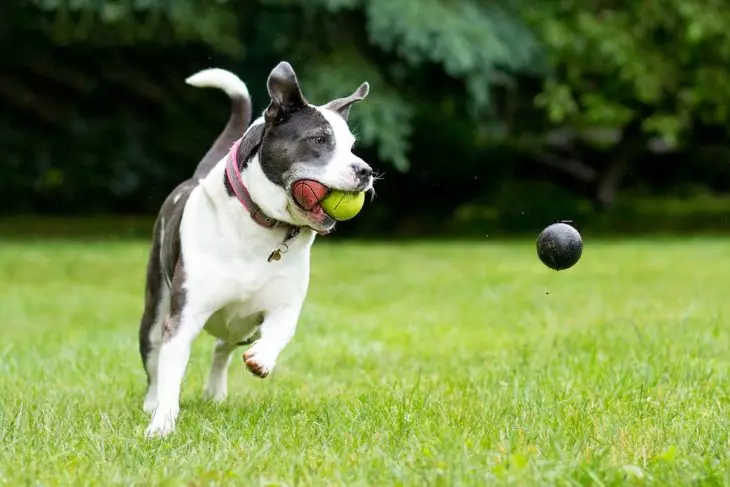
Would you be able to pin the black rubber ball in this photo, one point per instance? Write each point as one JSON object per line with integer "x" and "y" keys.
{"x": 559, "y": 246}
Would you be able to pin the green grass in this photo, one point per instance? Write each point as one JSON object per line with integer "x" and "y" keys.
{"x": 431, "y": 364}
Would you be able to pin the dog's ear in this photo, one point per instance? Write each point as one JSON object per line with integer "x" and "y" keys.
{"x": 286, "y": 96}
{"x": 250, "y": 144}
{"x": 342, "y": 105}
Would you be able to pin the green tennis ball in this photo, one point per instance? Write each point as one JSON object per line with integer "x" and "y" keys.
{"x": 341, "y": 205}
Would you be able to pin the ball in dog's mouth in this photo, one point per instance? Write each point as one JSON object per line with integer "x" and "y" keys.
{"x": 308, "y": 194}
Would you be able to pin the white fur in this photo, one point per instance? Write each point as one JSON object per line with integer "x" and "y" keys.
{"x": 162, "y": 231}
{"x": 229, "y": 284}
{"x": 219, "y": 78}
{"x": 338, "y": 173}
{"x": 216, "y": 387}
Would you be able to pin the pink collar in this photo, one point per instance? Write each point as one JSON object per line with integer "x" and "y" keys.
{"x": 233, "y": 174}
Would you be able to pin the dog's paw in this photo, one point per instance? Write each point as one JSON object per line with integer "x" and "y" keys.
{"x": 258, "y": 361}
{"x": 215, "y": 393}
{"x": 159, "y": 431}
{"x": 150, "y": 401}
{"x": 149, "y": 406}
{"x": 162, "y": 424}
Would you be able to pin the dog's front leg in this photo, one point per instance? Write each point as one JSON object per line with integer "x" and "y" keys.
{"x": 277, "y": 329}
{"x": 179, "y": 331}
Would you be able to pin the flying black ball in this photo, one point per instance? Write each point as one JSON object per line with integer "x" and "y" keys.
{"x": 559, "y": 246}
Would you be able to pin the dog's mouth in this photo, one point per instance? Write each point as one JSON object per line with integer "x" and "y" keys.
{"x": 307, "y": 194}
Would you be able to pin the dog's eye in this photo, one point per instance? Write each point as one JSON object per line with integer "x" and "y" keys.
{"x": 319, "y": 140}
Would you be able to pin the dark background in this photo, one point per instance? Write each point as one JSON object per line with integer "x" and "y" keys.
{"x": 485, "y": 117}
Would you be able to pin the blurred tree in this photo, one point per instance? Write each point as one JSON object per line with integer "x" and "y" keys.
{"x": 100, "y": 74}
{"x": 95, "y": 114}
{"x": 627, "y": 74}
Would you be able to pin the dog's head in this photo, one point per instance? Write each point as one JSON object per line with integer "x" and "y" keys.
{"x": 296, "y": 141}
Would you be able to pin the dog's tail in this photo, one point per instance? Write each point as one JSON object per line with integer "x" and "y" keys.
{"x": 238, "y": 121}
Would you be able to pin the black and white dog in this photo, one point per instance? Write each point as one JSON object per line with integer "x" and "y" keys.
{"x": 231, "y": 248}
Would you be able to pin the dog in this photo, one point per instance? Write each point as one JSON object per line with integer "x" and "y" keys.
{"x": 231, "y": 246}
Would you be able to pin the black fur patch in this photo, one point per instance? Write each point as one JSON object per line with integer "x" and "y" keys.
{"x": 237, "y": 124}
{"x": 164, "y": 258}
{"x": 153, "y": 287}
{"x": 250, "y": 144}
{"x": 172, "y": 213}
{"x": 177, "y": 302}
{"x": 305, "y": 137}
{"x": 342, "y": 105}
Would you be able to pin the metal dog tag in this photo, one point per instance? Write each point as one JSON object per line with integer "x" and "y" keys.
{"x": 283, "y": 247}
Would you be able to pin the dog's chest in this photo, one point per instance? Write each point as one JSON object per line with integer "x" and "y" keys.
{"x": 246, "y": 293}
{"x": 245, "y": 289}
{"x": 234, "y": 323}
{"x": 225, "y": 256}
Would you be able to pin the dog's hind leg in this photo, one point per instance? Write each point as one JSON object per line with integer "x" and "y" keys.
{"x": 216, "y": 387}
{"x": 151, "y": 336}
{"x": 156, "y": 308}
{"x": 181, "y": 326}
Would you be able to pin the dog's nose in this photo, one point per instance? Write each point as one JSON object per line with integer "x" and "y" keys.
{"x": 362, "y": 171}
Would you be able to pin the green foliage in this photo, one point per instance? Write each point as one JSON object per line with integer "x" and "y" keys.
{"x": 470, "y": 41}
{"x": 92, "y": 98}
{"x": 131, "y": 22}
{"x": 466, "y": 40}
{"x": 479, "y": 45}
{"x": 384, "y": 120}
{"x": 662, "y": 62}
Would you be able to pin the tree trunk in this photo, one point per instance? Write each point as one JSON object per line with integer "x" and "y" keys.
{"x": 630, "y": 145}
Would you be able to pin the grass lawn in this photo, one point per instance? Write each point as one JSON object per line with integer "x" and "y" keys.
{"x": 414, "y": 364}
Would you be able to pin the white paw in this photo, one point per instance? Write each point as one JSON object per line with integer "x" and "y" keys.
{"x": 150, "y": 402}
{"x": 162, "y": 424}
{"x": 259, "y": 360}
{"x": 215, "y": 393}
{"x": 149, "y": 405}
